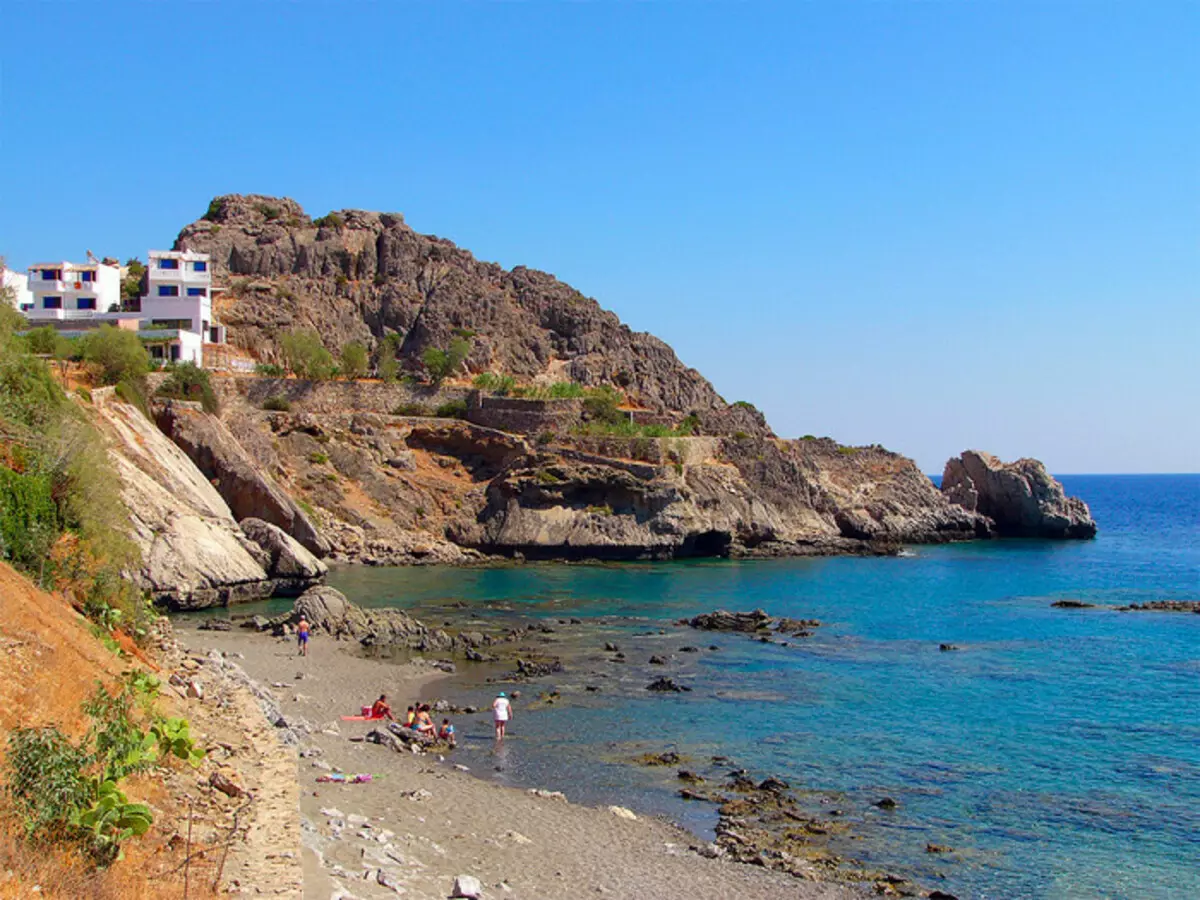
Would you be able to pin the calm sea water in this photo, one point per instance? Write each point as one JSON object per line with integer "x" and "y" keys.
{"x": 1058, "y": 751}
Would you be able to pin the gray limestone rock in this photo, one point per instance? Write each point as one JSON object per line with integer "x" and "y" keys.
{"x": 1021, "y": 497}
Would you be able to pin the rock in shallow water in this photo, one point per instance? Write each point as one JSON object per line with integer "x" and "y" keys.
{"x": 1021, "y": 497}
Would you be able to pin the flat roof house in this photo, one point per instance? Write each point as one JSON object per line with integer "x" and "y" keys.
{"x": 62, "y": 291}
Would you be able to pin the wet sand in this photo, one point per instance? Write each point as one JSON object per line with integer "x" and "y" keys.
{"x": 421, "y": 822}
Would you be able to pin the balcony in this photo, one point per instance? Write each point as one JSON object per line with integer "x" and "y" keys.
{"x": 60, "y": 315}
{"x": 66, "y": 286}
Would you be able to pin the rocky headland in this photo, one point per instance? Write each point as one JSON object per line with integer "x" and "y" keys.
{"x": 248, "y": 501}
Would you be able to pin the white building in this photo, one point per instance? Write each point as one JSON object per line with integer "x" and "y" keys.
{"x": 18, "y": 283}
{"x": 178, "y": 291}
{"x": 62, "y": 291}
{"x": 174, "y": 320}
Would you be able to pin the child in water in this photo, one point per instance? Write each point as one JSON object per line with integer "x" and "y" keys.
{"x": 446, "y": 733}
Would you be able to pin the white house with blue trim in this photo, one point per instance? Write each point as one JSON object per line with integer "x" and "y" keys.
{"x": 63, "y": 291}
{"x": 173, "y": 317}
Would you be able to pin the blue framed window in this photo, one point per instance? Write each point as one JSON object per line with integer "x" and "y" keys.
{"x": 87, "y": 303}
{"x": 87, "y": 276}
{"x": 51, "y": 274}
{"x": 168, "y": 264}
{"x": 51, "y": 302}
{"x": 199, "y": 266}
{"x": 168, "y": 290}
{"x": 197, "y": 292}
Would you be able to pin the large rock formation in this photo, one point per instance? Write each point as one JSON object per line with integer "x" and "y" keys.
{"x": 362, "y": 275}
{"x": 194, "y": 554}
{"x": 246, "y": 488}
{"x": 1022, "y": 498}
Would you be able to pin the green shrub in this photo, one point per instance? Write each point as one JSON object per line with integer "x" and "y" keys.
{"x": 114, "y": 354}
{"x": 602, "y": 404}
{"x": 452, "y": 409}
{"x": 743, "y": 404}
{"x": 545, "y": 476}
{"x": 269, "y": 211}
{"x": 604, "y": 510}
{"x": 441, "y": 364}
{"x": 269, "y": 370}
{"x": 188, "y": 381}
{"x": 500, "y": 385}
{"x": 353, "y": 361}
{"x": 133, "y": 392}
{"x": 411, "y": 409}
{"x": 809, "y": 437}
{"x": 565, "y": 390}
{"x": 318, "y": 458}
{"x": 29, "y": 517}
{"x": 214, "y": 210}
{"x": 305, "y": 355}
{"x": 131, "y": 284}
{"x": 44, "y": 340}
{"x": 847, "y": 451}
{"x": 277, "y": 403}
{"x": 387, "y": 368}
{"x": 43, "y": 782}
{"x": 330, "y": 220}
{"x": 688, "y": 426}
{"x": 740, "y": 436}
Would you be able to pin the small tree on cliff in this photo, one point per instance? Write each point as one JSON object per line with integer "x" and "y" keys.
{"x": 441, "y": 364}
{"x": 305, "y": 355}
{"x": 386, "y": 364}
{"x": 354, "y": 360}
{"x": 115, "y": 354}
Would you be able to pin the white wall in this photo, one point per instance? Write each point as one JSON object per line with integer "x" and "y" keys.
{"x": 19, "y": 282}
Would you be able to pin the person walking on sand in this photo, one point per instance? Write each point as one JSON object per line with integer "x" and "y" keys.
{"x": 501, "y": 713}
{"x": 302, "y": 636}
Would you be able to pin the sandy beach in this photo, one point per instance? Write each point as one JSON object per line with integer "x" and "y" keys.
{"x": 421, "y": 822}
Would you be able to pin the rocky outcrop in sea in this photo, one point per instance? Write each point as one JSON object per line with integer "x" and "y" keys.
{"x": 1021, "y": 498}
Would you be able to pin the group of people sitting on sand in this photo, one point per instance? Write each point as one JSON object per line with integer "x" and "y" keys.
{"x": 418, "y": 718}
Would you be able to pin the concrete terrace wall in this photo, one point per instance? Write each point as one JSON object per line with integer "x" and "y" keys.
{"x": 522, "y": 416}
{"x": 339, "y": 396}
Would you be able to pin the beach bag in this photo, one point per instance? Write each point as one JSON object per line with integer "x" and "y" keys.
{"x": 366, "y": 711}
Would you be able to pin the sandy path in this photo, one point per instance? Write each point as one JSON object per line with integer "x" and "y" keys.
{"x": 426, "y": 822}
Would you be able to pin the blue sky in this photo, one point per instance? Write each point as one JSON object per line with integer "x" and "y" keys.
{"x": 932, "y": 225}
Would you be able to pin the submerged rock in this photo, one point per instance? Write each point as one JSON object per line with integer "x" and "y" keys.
{"x": 666, "y": 685}
{"x": 1021, "y": 497}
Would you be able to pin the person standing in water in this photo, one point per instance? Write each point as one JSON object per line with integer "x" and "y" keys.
{"x": 501, "y": 713}
{"x": 302, "y": 636}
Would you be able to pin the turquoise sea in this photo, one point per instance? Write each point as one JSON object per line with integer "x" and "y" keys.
{"x": 1057, "y": 750}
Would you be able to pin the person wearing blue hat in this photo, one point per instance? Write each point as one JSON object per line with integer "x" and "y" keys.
{"x": 501, "y": 713}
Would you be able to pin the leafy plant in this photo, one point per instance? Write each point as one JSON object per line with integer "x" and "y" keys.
{"x": 269, "y": 370}
{"x": 187, "y": 381}
{"x": 43, "y": 781}
{"x": 452, "y": 409}
{"x": 110, "y": 821}
{"x": 305, "y": 355}
{"x": 500, "y": 385}
{"x": 114, "y": 354}
{"x": 411, "y": 409}
{"x": 330, "y": 220}
{"x": 277, "y": 403}
{"x": 174, "y": 739}
{"x": 318, "y": 458}
{"x": 354, "y": 360}
{"x": 441, "y": 364}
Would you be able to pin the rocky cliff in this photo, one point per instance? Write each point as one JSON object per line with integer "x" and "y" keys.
{"x": 356, "y": 275}
{"x": 1021, "y": 497}
{"x": 194, "y": 553}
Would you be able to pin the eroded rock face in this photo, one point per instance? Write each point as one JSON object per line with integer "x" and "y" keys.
{"x": 362, "y": 275}
{"x": 291, "y": 566}
{"x": 1021, "y": 498}
{"x": 245, "y": 487}
{"x": 194, "y": 554}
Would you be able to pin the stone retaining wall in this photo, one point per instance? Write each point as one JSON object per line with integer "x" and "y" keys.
{"x": 519, "y": 415}
{"x": 340, "y": 396}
